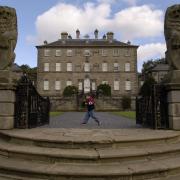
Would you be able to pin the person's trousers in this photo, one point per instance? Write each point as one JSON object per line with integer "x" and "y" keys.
{"x": 90, "y": 114}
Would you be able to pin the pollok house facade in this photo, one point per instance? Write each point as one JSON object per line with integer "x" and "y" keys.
{"x": 87, "y": 63}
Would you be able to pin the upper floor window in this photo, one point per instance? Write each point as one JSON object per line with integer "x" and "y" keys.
{"x": 57, "y": 85}
{"x": 46, "y": 52}
{"x": 127, "y": 52}
{"x": 127, "y": 85}
{"x": 58, "y": 52}
{"x": 58, "y": 66}
{"x": 69, "y": 66}
{"x": 116, "y": 66}
{"x": 68, "y": 83}
{"x": 115, "y": 52}
{"x": 46, "y": 85}
{"x": 127, "y": 67}
{"x": 104, "y": 67}
{"x": 86, "y": 67}
{"x": 69, "y": 52}
{"x": 87, "y": 52}
{"x": 46, "y": 67}
{"x": 116, "y": 85}
{"x": 104, "y": 52}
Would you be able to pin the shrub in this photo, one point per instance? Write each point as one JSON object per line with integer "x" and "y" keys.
{"x": 126, "y": 102}
{"x": 104, "y": 89}
{"x": 70, "y": 91}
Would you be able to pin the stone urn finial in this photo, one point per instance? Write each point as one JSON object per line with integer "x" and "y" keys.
{"x": 8, "y": 36}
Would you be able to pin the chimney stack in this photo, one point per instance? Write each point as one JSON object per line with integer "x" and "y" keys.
{"x": 45, "y": 42}
{"x": 110, "y": 36}
{"x": 64, "y": 35}
{"x": 104, "y": 36}
{"x": 96, "y": 34}
{"x": 77, "y": 34}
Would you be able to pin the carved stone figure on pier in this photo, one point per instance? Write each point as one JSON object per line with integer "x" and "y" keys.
{"x": 172, "y": 36}
{"x": 8, "y": 36}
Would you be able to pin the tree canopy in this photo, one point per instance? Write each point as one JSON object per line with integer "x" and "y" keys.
{"x": 151, "y": 63}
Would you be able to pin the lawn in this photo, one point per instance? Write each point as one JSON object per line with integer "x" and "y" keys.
{"x": 128, "y": 114}
{"x": 57, "y": 113}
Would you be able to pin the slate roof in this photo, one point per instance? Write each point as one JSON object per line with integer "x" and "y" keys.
{"x": 161, "y": 67}
{"x": 86, "y": 43}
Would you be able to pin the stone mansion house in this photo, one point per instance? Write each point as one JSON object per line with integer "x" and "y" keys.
{"x": 87, "y": 63}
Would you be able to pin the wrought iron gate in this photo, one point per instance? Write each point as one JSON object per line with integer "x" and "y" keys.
{"x": 152, "y": 111}
{"x": 31, "y": 110}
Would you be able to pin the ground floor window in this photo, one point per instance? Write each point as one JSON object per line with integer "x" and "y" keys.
{"x": 57, "y": 85}
{"x": 127, "y": 85}
{"x": 80, "y": 86}
{"x": 93, "y": 86}
{"x": 116, "y": 85}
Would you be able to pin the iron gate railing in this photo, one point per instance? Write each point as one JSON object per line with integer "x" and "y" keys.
{"x": 31, "y": 110}
{"x": 152, "y": 111}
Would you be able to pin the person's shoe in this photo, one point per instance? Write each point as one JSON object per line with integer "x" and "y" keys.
{"x": 83, "y": 123}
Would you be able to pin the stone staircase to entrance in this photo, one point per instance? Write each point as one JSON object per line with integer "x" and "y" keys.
{"x": 84, "y": 154}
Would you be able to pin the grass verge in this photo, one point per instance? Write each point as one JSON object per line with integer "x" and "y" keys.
{"x": 57, "y": 113}
{"x": 127, "y": 114}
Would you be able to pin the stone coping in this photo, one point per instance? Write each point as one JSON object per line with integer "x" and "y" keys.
{"x": 5, "y": 86}
{"x": 100, "y": 136}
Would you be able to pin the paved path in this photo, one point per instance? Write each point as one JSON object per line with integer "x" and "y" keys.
{"x": 74, "y": 119}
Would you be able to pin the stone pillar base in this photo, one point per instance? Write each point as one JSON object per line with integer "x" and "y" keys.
{"x": 174, "y": 105}
{"x": 5, "y": 77}
{"x": 7, "y": 103}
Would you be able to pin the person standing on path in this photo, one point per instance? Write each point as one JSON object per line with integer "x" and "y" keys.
{"x": 90, "y": 110}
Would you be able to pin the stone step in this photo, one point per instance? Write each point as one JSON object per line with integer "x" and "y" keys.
{"x": 88, "y": 138}
{"x": 140, "y": 170}
{"x": 97, "y": 155}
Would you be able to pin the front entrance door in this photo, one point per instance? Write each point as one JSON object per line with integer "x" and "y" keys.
{"x": 87, "y": 85}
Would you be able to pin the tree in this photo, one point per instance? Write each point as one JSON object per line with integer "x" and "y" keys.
{"x": 27, "y": 69}
{"x": 104, "y": 89}
{"x": 148, "y": 65}
{"x": 70, "y": 91}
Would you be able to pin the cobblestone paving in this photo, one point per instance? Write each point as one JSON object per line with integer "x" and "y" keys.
{"x": 74, "y": 119}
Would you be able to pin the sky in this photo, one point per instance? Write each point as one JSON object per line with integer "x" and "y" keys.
{"x": 139, "y": 21}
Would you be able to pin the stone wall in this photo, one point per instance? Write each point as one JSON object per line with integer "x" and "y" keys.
{"x": 102, "y": 104}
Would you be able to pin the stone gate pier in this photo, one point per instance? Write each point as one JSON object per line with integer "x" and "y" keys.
{"x": 172, "y": 36}
{"x": 8, "y": 39}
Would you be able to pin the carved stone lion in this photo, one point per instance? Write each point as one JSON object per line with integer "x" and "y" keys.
{"x": 8, "y": 36}
{"x": 172, "y": 36}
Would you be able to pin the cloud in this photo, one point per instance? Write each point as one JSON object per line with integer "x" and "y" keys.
{"x": 131, "y": 2}
{"x": 150, "y": 51}
{"x": 130, "y": 23}
{"x": 139, "y": 22}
